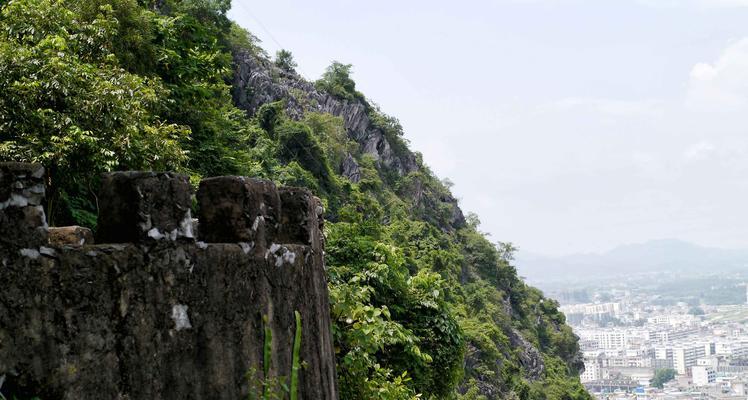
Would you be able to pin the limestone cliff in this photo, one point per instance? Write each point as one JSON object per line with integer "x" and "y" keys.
{"x": 257, "y": 82}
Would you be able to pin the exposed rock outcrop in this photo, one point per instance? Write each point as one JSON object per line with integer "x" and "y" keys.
{"x": 257, "y": 82}
{"x": 350, "y": 169}
{"x": 162, "y": 315}
{"x": 530, "y": 357}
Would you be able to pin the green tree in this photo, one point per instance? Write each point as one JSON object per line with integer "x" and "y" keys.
{"x": 662, "y": 376}
{"x": 696, "y": 310}
{"x": 284, "y": 60}
{"x": 67, "y": 104}
{"x": 193, "y": 59}
{"x": 338, "y": 82}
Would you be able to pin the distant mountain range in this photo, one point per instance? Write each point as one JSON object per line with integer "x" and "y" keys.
{"x": 657, "y": 256}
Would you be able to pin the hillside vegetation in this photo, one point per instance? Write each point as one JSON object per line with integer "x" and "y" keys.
{"x": 423, "y": 304}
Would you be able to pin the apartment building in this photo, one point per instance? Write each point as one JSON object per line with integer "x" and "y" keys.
{"x": 685, "y": 356}
{"x": 703, "y": 375}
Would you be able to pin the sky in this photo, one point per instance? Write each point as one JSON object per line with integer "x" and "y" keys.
{"x": 568, "y": 126}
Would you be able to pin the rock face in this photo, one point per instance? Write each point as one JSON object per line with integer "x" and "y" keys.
{"x": 529, "y": 356}
{"x": 164, "y": 316}
{"x": 350, "y": 169}
{"x": 257, "y": 82}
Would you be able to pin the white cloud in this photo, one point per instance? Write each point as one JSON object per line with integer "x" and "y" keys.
{"x": 703, "y": 71}
{"x": 723, "y": 84}
{"x": 699, "y": 151}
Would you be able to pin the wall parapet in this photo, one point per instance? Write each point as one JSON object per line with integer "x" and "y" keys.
{"x": 155, "y": 309}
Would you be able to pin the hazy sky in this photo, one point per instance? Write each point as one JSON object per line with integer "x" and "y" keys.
{"x": 568, "y": 126}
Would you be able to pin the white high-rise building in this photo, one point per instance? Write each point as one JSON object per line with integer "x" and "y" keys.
{"x": 663, "y": 357}
{"x": 606, "y": 339}
{"x": 686, "y": 355}
{"x": 703, "y": 375}
{"x": 593, "y": 369}
{"x": 731, "y": 348}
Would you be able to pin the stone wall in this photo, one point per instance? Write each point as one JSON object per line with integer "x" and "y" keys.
{"x": 158, "y": 310}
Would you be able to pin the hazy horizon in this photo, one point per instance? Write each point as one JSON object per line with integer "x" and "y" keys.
{"x": 567, "y": 126}
{"x": 529, "y": 253}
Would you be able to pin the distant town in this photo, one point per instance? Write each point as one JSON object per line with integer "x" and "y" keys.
{"x": 662, "y": 337}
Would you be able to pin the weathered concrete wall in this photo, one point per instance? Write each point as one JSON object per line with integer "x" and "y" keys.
{"x": 155, "y": 313}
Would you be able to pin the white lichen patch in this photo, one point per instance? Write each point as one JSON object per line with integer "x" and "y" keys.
{"x": 247, "y": 247}
{"x": 201, "y": 245}
{"x": 155, "y": 234}
{"x": 48, "y": 251}
{"x": 288, "y": 257}
{"x": 37, "y": 189}
{"x": 185, "y": 226}
{"x": 30, "y": 253}
{"x": 257, "y": 221}
{"x": 15, "y": 200}
{"x": 274, "y": 247}
{"x": 185, "y": 229}
{"x": 180, "y": 317}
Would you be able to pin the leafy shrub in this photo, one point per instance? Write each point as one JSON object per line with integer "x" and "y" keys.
{"x": 337, "y": 81}
{"x": 68, "y": 105}
{"x": 284, "y": 60}
{"x": 296, "y": 143}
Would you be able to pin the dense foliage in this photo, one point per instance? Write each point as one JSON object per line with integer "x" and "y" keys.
{"x": 663, "y": 376}
{"x": 422, "y": 308}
